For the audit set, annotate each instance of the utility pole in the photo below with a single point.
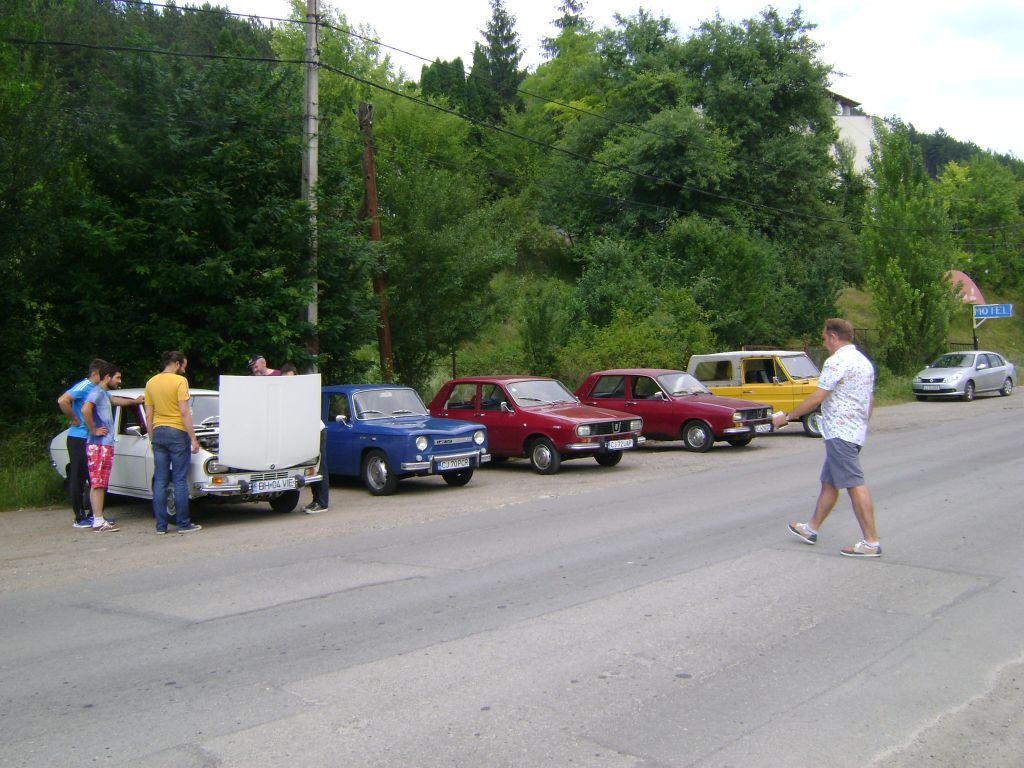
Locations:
(310, 161)
(369, 211)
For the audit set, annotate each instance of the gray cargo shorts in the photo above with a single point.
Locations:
(842, 464)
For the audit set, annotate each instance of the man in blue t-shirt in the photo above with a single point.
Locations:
(70, 403)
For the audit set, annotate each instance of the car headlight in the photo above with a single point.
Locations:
(737, 416)
(636, 425)
(422, 443)
(583, 430)
(953, 379)
(212, 467)
(918, 379)
(479, 437)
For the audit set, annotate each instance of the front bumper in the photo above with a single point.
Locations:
(243, 487)
(476, 459)
(603, 442)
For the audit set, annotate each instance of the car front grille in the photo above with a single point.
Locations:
(268, 476)
(750, 414)
(610, 427)
(446, 441)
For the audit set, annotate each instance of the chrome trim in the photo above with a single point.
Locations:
(735, 430)
(419, 466)
(236, 488)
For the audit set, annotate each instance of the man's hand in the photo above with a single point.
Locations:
(100, 431)
(195, 445)
(779, 420)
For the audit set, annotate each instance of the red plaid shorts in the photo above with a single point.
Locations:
(100, 458)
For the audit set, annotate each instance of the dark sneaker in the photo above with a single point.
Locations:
(85, 522)
(862, 549)
(106, 527)
(190, 529)
(314, 508)
(803, 532)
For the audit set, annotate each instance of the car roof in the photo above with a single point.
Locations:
(636, 372)
(139, 391)
(499, 379)
(348, 389)
(756, 353)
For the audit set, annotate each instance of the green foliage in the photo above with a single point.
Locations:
(982, 200)
(908, 248)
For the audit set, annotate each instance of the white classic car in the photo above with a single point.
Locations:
(275, 453)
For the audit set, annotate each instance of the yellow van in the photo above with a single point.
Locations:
(780, 377)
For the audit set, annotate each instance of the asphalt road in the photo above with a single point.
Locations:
(654, 614)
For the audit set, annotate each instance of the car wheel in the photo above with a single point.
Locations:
(812, 424)
(543, 456)
(968, 394)
(740, 442)
(286, 502)
(458, 479)
(377, 475)
(608, 459)
(1007, 389)
(697, 436)
(172, 516)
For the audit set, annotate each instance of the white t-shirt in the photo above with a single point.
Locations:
(849, 378)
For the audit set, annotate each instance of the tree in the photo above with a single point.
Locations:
(981, 197)
(496, 65)
(907, 250)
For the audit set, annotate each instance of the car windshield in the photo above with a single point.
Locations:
(799, 367)
(205, 408)
(385, 403)
(682, 384)
(954, 360)
(540, 392)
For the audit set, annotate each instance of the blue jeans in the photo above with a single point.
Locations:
(172, 456)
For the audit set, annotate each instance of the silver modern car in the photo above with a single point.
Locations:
(965, 374)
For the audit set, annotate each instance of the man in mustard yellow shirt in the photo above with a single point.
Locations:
(173, 439)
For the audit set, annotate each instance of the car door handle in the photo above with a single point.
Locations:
(630, 402)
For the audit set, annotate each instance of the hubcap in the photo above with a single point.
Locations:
(542, 456)
(698, 435)
(377, 471)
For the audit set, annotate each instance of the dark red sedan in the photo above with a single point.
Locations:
(538, 418)
(675, 406)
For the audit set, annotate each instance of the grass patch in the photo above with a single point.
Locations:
(26, 477)
(36, 485)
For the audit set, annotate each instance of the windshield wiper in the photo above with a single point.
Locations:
(401, 412)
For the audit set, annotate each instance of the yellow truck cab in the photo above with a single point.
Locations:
(780, 377)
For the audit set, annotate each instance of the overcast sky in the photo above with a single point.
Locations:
(943, 64)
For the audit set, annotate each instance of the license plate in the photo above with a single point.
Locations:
(272, 486)
(618, 445)
(763, 428)
(930, 387)
(445, 464)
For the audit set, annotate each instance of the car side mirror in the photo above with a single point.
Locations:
(134, 431)
(982, 366)
(776, 380)
(342, 420)
(505, 407)
(658, 396)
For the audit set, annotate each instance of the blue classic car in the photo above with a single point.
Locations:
(383, 432)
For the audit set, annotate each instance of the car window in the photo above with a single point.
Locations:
(954, 360)
(610, 387)
(462, 398)
(758, 370)
(799, 367)
(385, 403)
(540, 392)
(130, 416)
(491, 397)
(682, 384)
(337, 405)
(996, 360)
(204, 407)
(714, 370)
(644, 387)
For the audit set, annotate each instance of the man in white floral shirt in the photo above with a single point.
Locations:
(845, 394)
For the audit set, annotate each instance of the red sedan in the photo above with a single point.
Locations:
(675, 406)
(538, 418)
